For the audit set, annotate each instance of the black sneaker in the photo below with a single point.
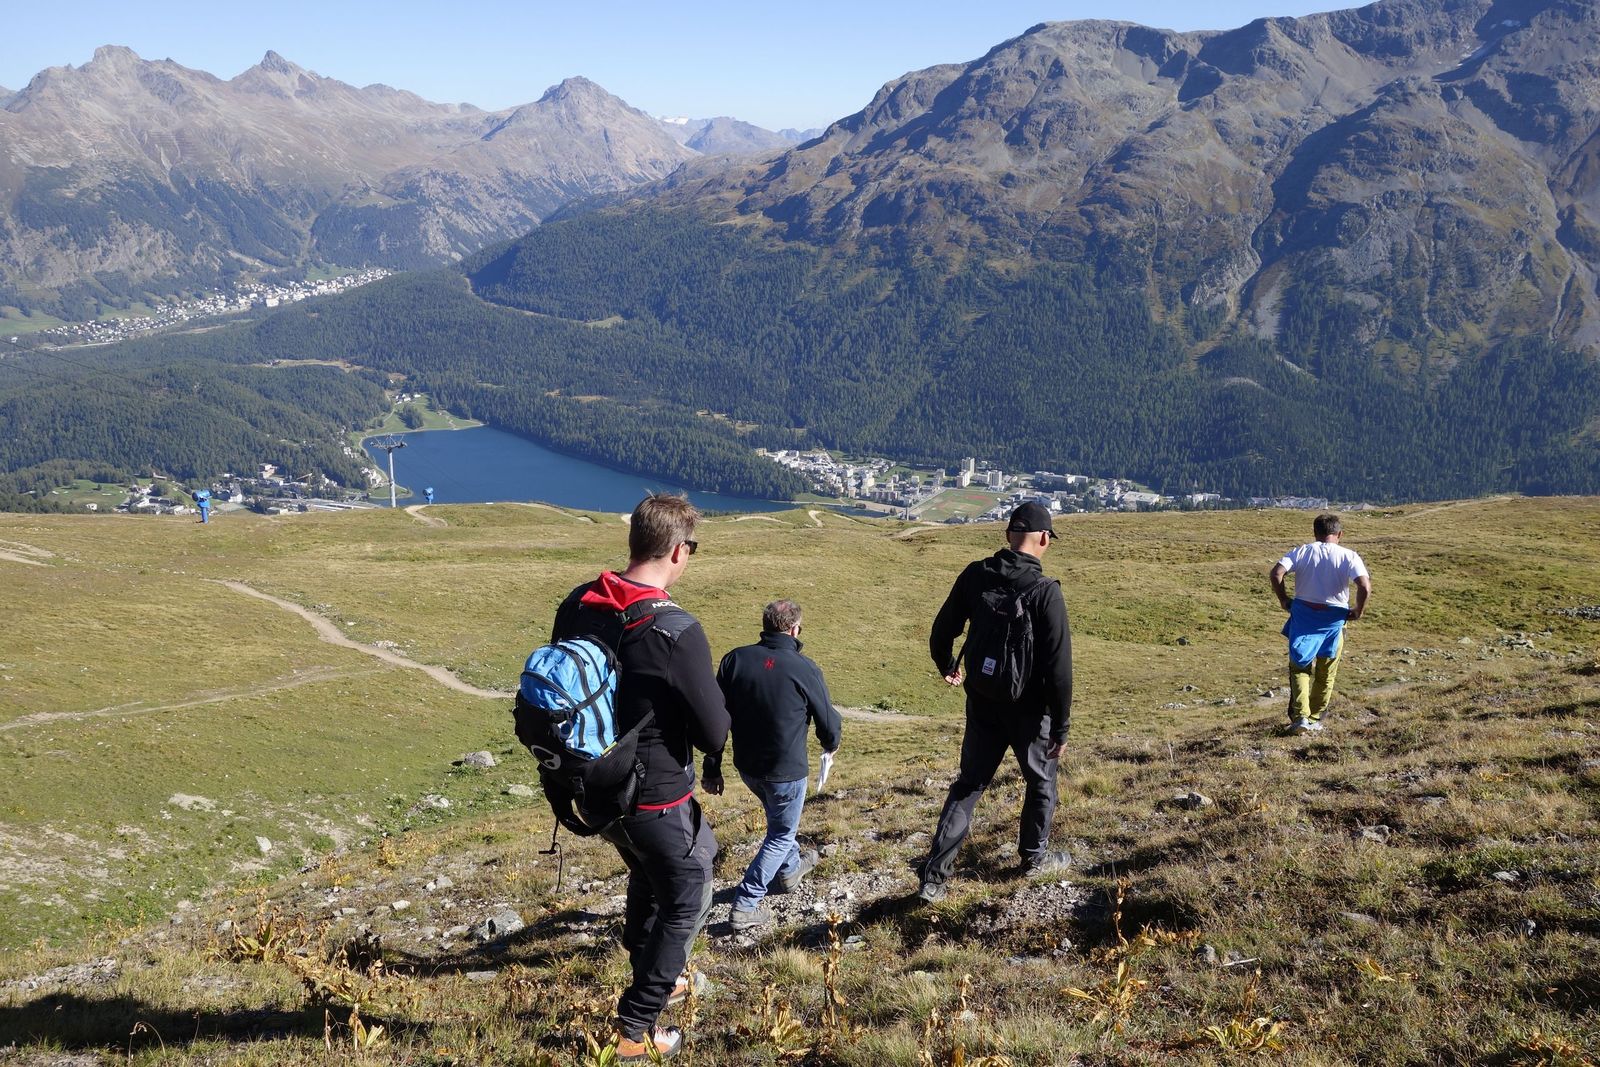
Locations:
(1047, 863)
(785, 883)
(931, 892)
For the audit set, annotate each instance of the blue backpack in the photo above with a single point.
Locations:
(566, 715)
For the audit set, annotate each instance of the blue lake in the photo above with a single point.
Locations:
(481, 465)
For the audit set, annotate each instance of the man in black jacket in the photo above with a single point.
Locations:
(772, 692)
(1033, 722)
(664, 672)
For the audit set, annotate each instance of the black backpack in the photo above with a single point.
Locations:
(565, 713)
(999, 646)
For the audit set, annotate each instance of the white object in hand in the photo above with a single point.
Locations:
(824, 768)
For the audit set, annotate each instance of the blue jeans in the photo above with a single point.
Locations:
(778, 854)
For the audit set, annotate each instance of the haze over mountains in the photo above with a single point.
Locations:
(724, 135)
(125, 171)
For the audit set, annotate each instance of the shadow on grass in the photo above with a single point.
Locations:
(123, 1024)
(543, 943)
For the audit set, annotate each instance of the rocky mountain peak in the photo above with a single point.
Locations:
(575, 88)
(273, 63)
(114, 56)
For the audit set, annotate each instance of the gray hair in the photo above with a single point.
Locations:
(780, 616)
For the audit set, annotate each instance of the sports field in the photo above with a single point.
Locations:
(950, 503)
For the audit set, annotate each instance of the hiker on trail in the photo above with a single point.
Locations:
(773, 691)
(1323, 572)
(664, 670)
(1018, 676)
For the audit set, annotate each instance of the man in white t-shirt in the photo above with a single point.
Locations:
(1323, 572)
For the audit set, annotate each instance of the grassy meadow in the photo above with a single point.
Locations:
(1420, 884)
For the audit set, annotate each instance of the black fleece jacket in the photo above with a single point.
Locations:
(665, 667)
(1050, 687)
(772, 691)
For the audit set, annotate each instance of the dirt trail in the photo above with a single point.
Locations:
(923, 528)
(17, 552)
(873, 714)
(415, 511)
(1459, 504)
(551, 507)
(330, 633)
(816, 516)
(139, 707)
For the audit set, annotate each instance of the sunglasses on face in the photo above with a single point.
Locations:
(694, 546)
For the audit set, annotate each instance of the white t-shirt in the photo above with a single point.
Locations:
(1323, 572)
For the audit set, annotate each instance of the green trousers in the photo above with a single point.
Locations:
(1311, 688)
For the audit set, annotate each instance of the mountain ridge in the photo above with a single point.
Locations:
(153, 173)
(1237, 150)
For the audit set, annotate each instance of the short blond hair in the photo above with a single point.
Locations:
(660, 523)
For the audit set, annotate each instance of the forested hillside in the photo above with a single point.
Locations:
(187, 420)
(1063, 366)
(620, 328)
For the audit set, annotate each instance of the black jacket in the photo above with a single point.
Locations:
(772, 691)
(665, 667)
(1050, 687)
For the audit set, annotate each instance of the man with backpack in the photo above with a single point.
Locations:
(1018, 676)
(773, 691)
(665, 691)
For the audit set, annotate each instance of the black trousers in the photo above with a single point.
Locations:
(991, 730)
(669, 855)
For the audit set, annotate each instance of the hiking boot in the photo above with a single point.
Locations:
(1311, 726)
(745, 918)
(1047, 863)
(656, 1044)
(786, 882)
(931, 892)
(1300, 726)
(688, 980)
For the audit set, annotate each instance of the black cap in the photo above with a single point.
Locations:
(1032, 517)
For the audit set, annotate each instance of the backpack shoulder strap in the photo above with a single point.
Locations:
(662, 613)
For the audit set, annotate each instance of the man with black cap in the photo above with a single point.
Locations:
(1018, 676)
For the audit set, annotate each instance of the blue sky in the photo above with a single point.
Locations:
(776, 65)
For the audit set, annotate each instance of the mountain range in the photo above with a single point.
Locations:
(1440, 158)
(729, 136)
(1349, 255)
(125, 174)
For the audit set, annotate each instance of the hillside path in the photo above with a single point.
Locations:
(17, 552)
(328, 632)
(550, 507)
(415, 511)
(139, 707)
(1459, 504)
(873, 715)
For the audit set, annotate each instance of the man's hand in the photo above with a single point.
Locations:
(713, 784)
(1055, 750)
(954, 677)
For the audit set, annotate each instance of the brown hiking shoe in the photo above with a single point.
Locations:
(656, 1044)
